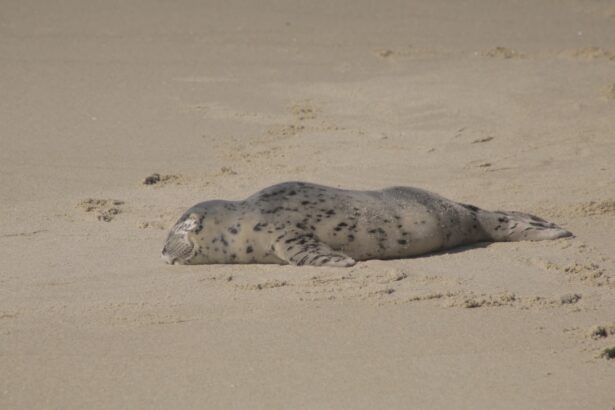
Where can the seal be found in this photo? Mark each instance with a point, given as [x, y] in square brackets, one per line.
[300, 223]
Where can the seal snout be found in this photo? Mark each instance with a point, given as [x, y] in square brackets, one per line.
[166, 257]
[178, 248]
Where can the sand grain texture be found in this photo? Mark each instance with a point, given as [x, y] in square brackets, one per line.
[502, 105]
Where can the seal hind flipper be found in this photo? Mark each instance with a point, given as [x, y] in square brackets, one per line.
[302, 248]
[509, 226]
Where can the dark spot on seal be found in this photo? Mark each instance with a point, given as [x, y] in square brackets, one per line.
[233, 230]
[305, 202]
[249, 249]
[503, 219]
[259, 226]
[402, 241]
[350, 238]
[378, 231]
[292, 193]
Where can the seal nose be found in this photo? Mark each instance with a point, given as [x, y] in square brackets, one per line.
[167, 258]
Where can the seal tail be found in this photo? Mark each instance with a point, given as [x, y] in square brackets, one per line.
[511, 226]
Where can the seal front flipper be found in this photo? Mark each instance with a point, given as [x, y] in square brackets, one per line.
[302, 248]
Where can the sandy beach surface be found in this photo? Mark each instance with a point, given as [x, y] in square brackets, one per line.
[504, 105]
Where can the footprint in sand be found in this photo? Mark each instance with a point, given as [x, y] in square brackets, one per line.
[161, 180]
[502, 52]
[105, 210]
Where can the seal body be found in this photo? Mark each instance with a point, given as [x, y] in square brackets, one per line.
[301, 223]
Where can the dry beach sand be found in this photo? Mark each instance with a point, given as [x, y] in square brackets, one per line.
[505, 105]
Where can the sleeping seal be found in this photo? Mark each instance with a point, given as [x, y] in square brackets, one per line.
[300, 223]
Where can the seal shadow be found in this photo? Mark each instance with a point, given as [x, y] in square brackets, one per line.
[458, 249]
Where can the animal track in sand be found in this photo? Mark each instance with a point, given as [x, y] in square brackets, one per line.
[588, 54]
[389, 287]
[141, 313]
[404, 52]
[104, 209]
[588, 273]
[601, 331]
[162, 180]
[152, 224]
[502, 52]
[23, 234]
[481, 140]
[470, 300]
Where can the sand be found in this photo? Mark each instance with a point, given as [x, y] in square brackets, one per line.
[505, 105]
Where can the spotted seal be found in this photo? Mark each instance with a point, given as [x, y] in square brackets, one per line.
[301, 223]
